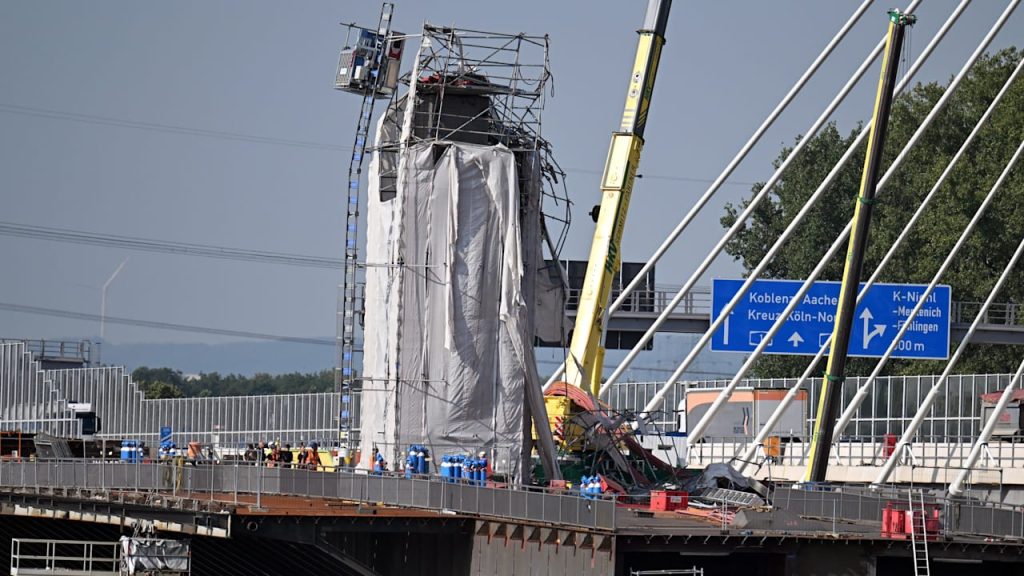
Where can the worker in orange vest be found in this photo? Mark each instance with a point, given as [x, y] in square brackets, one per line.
[312, 456]
[195, 452]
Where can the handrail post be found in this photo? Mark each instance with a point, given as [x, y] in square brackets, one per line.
[259, 485]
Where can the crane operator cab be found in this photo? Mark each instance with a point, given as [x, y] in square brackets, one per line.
[372, 55]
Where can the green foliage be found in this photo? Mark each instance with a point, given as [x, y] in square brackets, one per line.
[170, 383]
[985, 254]
[158, 389]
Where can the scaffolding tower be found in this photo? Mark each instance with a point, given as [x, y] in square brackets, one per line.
[469, 87]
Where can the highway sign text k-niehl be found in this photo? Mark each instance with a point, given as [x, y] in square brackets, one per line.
[879, 317]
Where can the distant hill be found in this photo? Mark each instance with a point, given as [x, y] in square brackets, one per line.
[247, 358]
[244, 358]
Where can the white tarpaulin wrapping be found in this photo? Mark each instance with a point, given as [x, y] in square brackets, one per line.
[147, 555]
[447, 347]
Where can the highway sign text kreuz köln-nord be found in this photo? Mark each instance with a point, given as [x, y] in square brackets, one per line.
[878, 319]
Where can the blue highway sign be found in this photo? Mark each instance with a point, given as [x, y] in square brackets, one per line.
[878, 318]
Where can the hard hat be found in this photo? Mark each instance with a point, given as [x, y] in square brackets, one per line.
[483, 454]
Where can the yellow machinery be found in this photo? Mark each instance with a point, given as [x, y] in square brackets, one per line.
[586, 351]
[831, 387]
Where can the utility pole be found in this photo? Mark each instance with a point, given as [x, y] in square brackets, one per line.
[832, 384]
[103, 299]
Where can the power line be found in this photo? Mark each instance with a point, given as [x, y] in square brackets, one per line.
[41, 311]
[241, 137]
[167, 128]
[165, 247]
[667, 178]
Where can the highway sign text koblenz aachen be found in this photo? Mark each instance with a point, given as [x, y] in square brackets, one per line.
[879, 317]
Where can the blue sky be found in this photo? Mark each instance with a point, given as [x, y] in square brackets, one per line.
[265, 69]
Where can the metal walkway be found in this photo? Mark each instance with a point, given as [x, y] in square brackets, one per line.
[693, 316]
[222, 485]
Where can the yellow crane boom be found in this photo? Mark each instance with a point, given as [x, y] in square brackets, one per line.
[586, 350]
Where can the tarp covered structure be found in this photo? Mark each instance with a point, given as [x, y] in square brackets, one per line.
[447, 338]
[154, 556]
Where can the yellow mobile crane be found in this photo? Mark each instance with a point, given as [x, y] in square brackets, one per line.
[586, 351]
[577, 395]
[831, 386]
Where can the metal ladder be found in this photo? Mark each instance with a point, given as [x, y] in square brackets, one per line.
[731, 497]
[345, 380]
[919, 535]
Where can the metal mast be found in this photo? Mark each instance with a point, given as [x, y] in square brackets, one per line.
[828, 404]
[345, 376]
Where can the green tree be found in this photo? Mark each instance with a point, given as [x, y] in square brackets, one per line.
[170, 383]
[156, 390]
[978, 264]
[146, 375]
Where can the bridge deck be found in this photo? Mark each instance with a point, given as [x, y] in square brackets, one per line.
[253, 492]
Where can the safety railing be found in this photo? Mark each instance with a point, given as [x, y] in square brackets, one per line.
[844, 506]
[998, 313]
[940, 452]
[697, 301]
[226, 483]
[75, 350]
[39, 557]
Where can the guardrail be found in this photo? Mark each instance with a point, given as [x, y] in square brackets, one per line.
[225, 482]
[959, 517]
[698, 301]
[78, 350]
[999, 313]
[34, 556]
[863, 451]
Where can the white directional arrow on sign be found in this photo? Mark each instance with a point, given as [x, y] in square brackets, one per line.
[878, 331]
[795, 339]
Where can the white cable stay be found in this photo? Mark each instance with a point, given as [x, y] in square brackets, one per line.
[741, 223]
[791, 394]
[658, 398]
[957, 487]
[720, 180]
[862, 392]
[933, 393]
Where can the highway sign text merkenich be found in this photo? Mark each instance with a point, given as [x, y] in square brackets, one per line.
[880, 315]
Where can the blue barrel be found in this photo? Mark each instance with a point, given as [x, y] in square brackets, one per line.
[130, 450]
[421, 461]
[457, 466]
